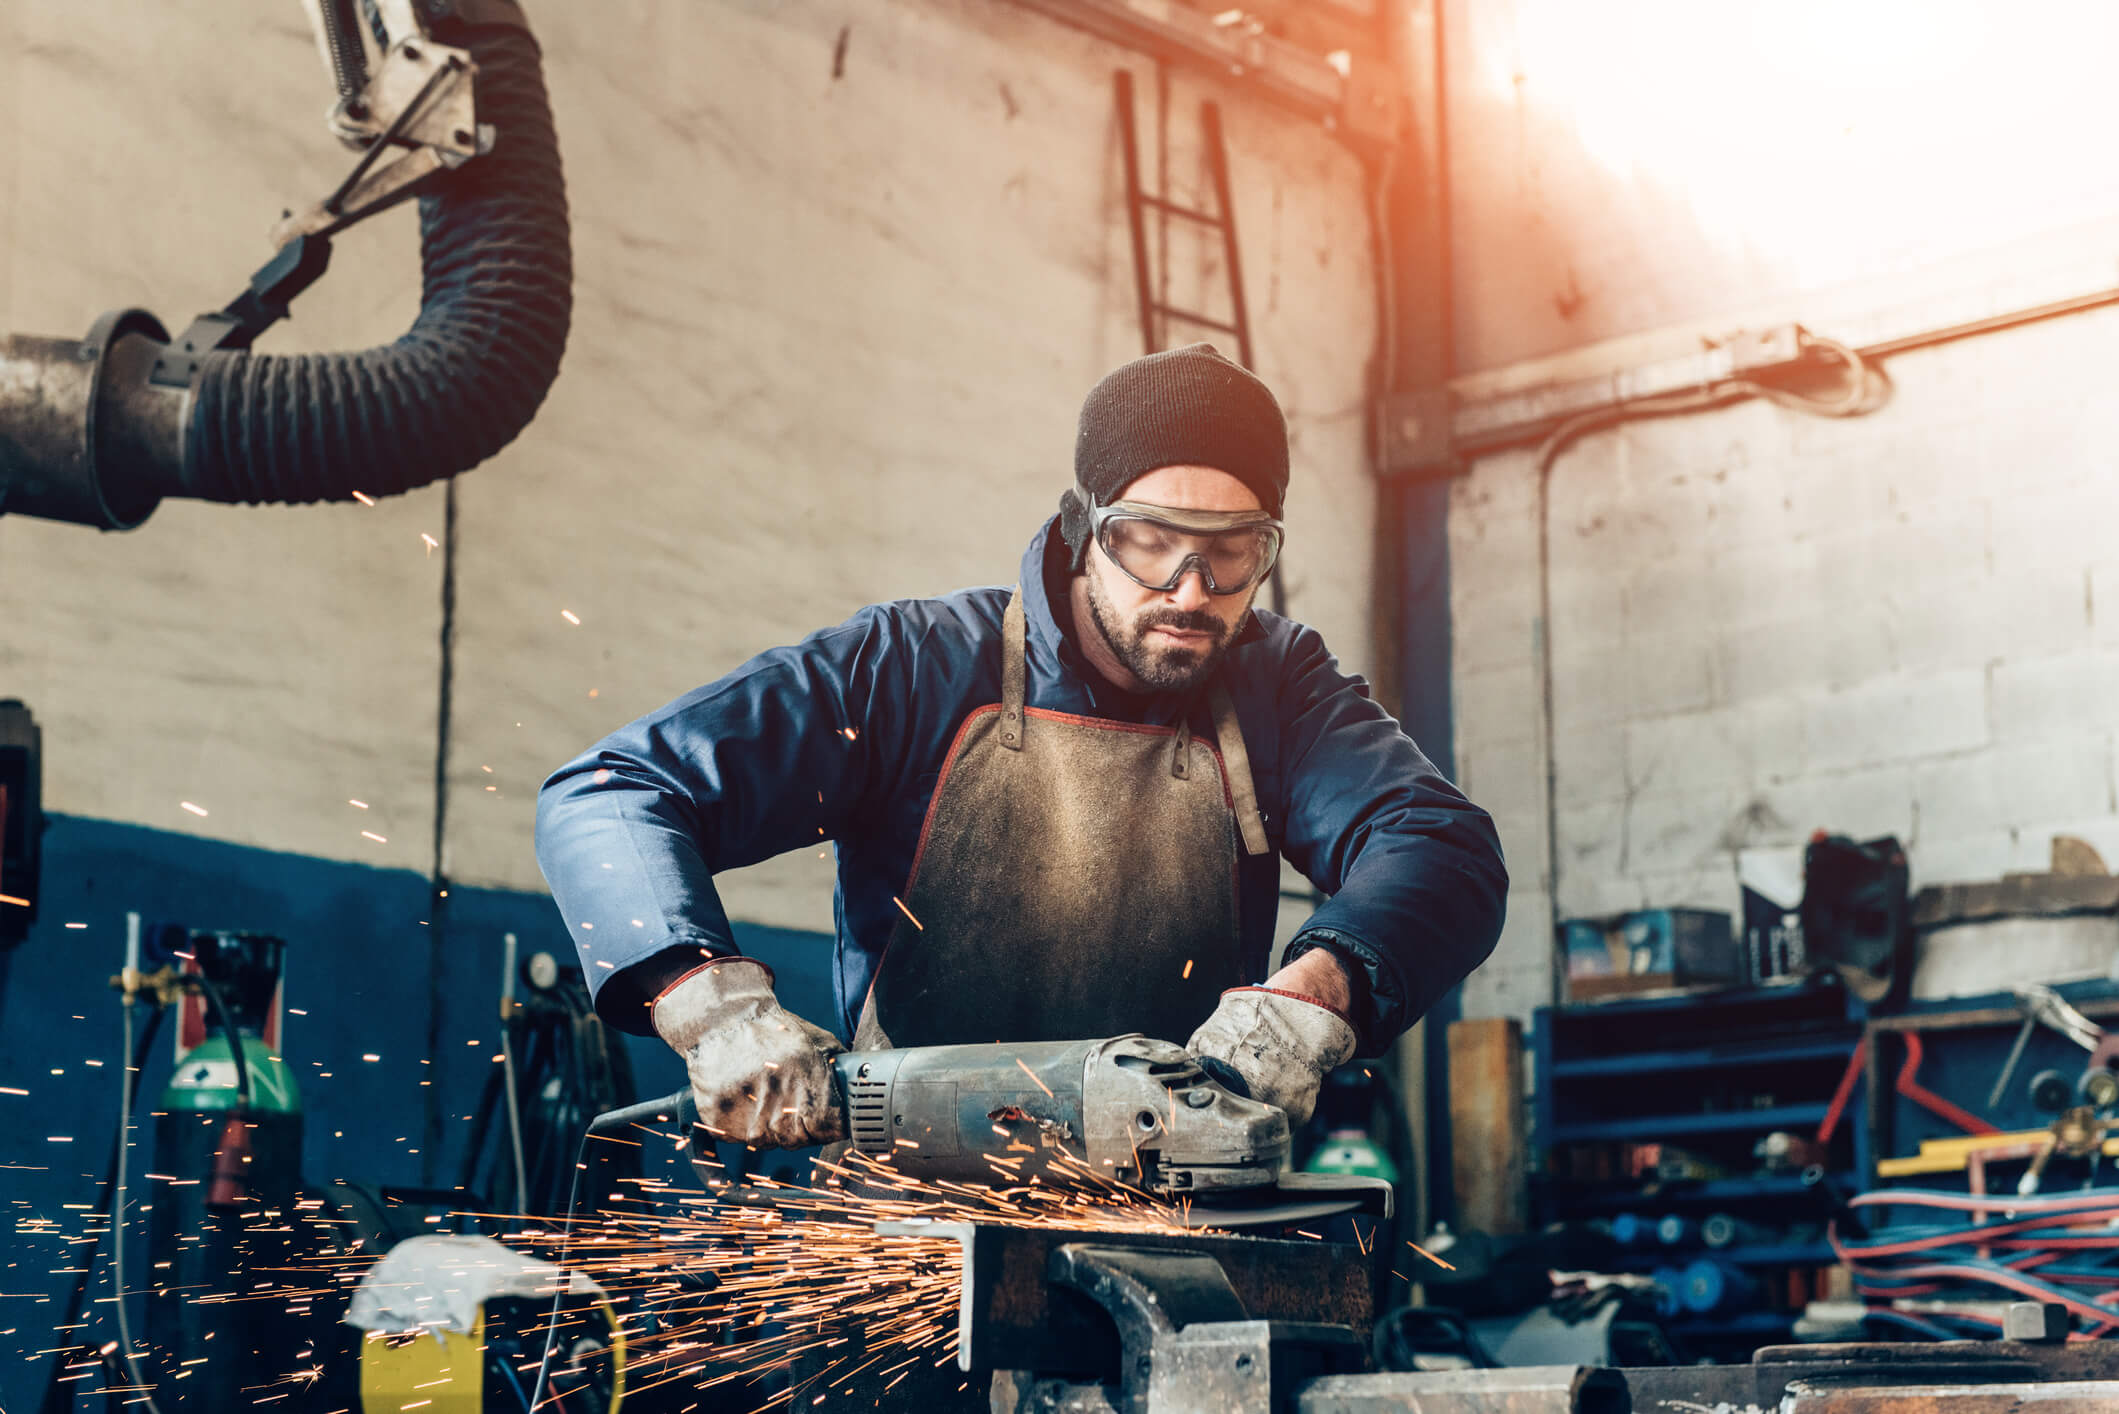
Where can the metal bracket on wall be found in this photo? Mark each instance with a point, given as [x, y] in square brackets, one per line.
[1513, 419]
[1358, 107]
[1416, 434]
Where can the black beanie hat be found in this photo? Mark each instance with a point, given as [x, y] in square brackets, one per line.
[1182, 407]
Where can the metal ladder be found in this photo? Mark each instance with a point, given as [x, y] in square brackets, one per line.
[1222, 219]
[1137, 204]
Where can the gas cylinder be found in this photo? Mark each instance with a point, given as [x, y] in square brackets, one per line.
[225, 1316]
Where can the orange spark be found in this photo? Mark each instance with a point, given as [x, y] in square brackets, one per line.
[1033, 1075]
[1431, 1256]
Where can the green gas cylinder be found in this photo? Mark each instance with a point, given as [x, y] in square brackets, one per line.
[221, 1231]
[1352, 1151]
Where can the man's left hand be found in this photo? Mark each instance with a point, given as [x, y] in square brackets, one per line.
[1282, 1042]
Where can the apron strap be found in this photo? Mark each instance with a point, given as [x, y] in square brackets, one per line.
[1242, 792]
[1012, 673]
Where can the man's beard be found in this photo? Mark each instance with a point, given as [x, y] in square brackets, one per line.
[1170, 667]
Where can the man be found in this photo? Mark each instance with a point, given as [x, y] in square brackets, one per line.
[1058, 809]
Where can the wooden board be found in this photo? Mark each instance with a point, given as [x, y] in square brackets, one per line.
[1488, 1146]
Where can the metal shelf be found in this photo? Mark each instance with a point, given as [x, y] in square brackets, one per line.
[1750, 1323]
[1646, 1062]
[1764, 1254]
[1648, 1128]
[1620, 1195]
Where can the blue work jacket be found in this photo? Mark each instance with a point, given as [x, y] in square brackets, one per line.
[842, 737]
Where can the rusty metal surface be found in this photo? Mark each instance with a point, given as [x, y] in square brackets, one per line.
[1012, 1316]
[1554, 1389]
[1869, 1365]
[82, 437]
[44, 396]
[2063, 1397]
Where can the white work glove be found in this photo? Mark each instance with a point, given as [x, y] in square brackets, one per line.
[760, 1074]
[1281, 1044]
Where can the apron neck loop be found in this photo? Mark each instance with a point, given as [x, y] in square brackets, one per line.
[1243, 793]
[1012, 672]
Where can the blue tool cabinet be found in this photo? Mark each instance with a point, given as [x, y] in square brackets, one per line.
[1704, 1074]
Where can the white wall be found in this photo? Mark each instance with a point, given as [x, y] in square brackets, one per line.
[1766, 624]
[830, 335]
[1631, 165]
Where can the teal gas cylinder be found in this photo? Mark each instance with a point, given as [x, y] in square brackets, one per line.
[222, 1234]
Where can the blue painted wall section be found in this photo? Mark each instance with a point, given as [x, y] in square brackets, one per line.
[362, 946]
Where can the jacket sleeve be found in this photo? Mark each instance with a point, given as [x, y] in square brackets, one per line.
[776, 756]
[1414, 869]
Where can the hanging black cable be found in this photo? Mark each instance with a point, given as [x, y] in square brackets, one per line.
[58, 1399]
[1866, 389]
[567, 1072]
[226, 1022]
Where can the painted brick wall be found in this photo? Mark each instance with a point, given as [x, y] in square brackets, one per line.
[844, 271]
[1765, 624]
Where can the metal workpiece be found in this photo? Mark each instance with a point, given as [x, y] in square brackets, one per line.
[1018, 1311]
[1536, 1389]
[2039, 1322]
[2060, 1397]
[84, 437]
[1869, 1368]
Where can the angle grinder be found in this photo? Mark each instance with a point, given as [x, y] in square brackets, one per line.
[1130, 1109]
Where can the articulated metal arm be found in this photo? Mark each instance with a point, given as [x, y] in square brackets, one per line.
[97, 431]
[403, 97]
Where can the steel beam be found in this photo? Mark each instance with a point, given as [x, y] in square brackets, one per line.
[1556, 1389]
[2065, 1397]
[1776, 1370]
[1361, 113]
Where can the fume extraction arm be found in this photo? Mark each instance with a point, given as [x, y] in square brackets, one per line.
[444, 100]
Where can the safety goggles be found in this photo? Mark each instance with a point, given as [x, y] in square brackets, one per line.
[1157, 546]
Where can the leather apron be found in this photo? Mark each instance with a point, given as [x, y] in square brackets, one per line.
[1076, 877]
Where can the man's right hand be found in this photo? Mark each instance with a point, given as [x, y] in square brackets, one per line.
[760, 1074]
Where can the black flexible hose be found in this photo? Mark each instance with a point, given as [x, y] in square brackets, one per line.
[474, 367]
[226, 1022]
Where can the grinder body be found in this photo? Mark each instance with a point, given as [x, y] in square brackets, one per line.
[1127, 1108]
